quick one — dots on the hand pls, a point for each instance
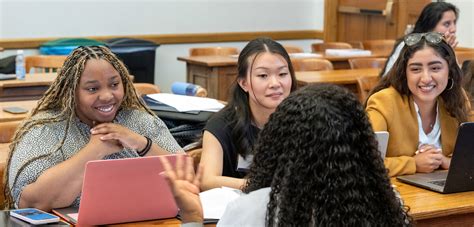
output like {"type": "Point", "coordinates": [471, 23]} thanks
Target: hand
{"type": "Point", "coordinates": [126, 137]}
{"type": "Point", "coordinates": [450, 38]}
{"type": "Point", "coordinates": [446, 162]}
{"type": "Point", "coordinates": [185, 187]}
{"type": "Point", "coordinates": [428, 160]}
{"type": "Point", "coordinates": [105, 147]}
{"type": "Point", "coordinates": [427, 147]}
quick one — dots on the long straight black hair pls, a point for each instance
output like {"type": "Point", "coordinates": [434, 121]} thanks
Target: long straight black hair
{"type": "Point", "coordinates": [238, 107]}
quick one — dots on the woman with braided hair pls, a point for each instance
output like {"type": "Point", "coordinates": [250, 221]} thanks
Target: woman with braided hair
{"type": "Point", "coordinates": [316, 163]}
{"type": "Point", "coordinates": [90, 112]}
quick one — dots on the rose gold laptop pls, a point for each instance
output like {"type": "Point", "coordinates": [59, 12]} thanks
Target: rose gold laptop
{"type": "Point", "coordinates": [123, 190]}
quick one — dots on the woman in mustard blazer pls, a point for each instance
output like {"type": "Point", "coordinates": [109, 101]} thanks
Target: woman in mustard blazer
{"type": "Point", "coordinates": [421, 104]}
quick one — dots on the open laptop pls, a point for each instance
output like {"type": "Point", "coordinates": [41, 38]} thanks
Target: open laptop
{"type": "Point", "coordinates": [123, 190]}
{"type": "Point", "coordinates": [382, 139]}
{"type": "Point", "coordinates": [460, 176]}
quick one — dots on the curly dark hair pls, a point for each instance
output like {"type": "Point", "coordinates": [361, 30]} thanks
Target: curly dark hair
{"type": "Point", "coordinates": [318, 153]}
{"type": "Point", "coordinates": [454, 98]}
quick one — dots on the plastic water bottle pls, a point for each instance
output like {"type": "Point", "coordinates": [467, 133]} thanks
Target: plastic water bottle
{"type": "Point", "coordinates": [20, 65]}
{"type": "Point", "coordinates": [181, 88]}
{"type": "Point", "coordinates": [409, 29]}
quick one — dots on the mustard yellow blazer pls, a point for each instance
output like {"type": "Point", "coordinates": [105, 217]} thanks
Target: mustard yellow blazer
{"type": "Point", "coordinates": [390, 111]}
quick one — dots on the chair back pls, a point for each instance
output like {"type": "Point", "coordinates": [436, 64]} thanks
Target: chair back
{"type": "Point", "coordinates": [463, 56]}
{"type": "Point", "coordinates": [7, 130]}
{"type": "Point", "coordinates": [364, 63]}
{"type": "Point", "coordinates": [321, 47]}
{"type": "Point", "coordinates": [146, 88]}
{"type": "Point", "coordinates": [293, 49]}
{"type": "Point", "coordinates": [381, 47]}
{"type": "Point", "coordinates": [311, 64]}
{"type": "Point", "coordinates": [209, 51]}
{"type": "Point", "coordinates": [365, 85]}
{"type": "Point", "coordinates": [356, 44]}
{"type": "Point", "coordinates": [44, 63]}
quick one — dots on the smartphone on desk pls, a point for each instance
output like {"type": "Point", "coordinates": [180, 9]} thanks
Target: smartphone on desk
{"type": "Point", "coordinates": [34, 216]}
{"type": "Point", "coordinates": [15, 110]}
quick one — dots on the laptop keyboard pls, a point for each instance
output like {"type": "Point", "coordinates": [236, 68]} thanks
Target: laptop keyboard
{"type": "Point", "coordinates": [438, 182]}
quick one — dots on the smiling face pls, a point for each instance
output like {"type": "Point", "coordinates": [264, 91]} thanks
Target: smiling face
{"type": "Point", "coordinates": [427, 75]}
{"type": "Point", "coordinates": [99, 94]}
{"type": "Point", "coordinates": [447, 23]}
{"type": "Point", "coordinates": [268, 82]}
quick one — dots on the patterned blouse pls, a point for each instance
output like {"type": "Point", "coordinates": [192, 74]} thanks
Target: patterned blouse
{"type": "Point", "coordinates": [41, 142]}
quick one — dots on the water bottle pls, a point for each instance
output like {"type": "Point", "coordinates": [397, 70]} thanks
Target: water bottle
{"type": "Point", "coordinates": [20, 65]}
{"type": "Point", "coordinates": [181, 88]}
{"type": "Point", "coordinates": [409, 29]}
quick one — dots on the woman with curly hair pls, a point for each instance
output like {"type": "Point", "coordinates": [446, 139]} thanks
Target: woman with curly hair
{"type": "Point", "coordinates": [90, 112]}
{"type": "Point", "coordinates": [421, 104]}
{"type": "Point", "coordinates": [316, 163]}
{"type": "Point", "coordinates": [265, 77]}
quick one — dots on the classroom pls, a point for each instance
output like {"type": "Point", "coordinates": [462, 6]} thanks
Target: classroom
{"type": "Point", "coordinates": [339, 42]}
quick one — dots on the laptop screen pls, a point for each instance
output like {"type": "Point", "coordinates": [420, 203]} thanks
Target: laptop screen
{"type": "Point", "coordinates": [382, 139]}
{"type": "Point", "coordinates": [125, 190]}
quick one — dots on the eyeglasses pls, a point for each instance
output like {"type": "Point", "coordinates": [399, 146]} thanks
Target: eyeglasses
{"type": "Point", "coordinates": [414, 38]}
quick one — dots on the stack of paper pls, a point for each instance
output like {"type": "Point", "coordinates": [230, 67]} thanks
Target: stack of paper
{"type": "Point", "coordinates": [305, 55]}
{"type": "Point", "coordinates": [214, 201]}
{"type": "Point", "coordinates": [184, 103]}
{"type": "Point", "coordinates": [348, 52]}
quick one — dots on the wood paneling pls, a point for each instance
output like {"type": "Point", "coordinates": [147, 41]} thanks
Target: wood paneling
{"type": "Point", "coordinates": [33, 43]}
{"type": "Point", "coordinates": [356, 20]}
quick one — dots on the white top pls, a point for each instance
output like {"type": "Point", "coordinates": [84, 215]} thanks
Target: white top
{"type": "Point", "coordinates": [247, 210]}
{"type": "Point", "coordinates": [434, 137]}
{"type": "Point", "coordinates": [393, 58]}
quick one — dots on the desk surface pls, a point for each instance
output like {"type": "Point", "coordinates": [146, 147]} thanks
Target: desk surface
{"type": "Point", "coordinates": [340, 76]}
{"type": "Point", "coordinates": [213, 61]}
{"type": "Point", "coordinates": [425, 204]}
{"type": "Point", "coordinates": [4, 116]}
{"type": "Point", "coordinates": [37, 79]}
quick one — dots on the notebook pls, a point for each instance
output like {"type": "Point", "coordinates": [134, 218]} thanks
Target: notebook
{"type": "Point", "coordinates": [460, 176]}
{"type": "Point", "coordinates": [382, 139]}
{"type": "Point", "coordinates": [123, 190]}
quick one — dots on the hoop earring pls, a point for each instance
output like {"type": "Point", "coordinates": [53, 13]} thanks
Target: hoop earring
{"type": "Point", "coordinates": [452, 84]}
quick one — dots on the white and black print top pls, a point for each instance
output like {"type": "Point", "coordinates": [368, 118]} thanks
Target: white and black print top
{"type": "Point", "coordinates": [41, 143]}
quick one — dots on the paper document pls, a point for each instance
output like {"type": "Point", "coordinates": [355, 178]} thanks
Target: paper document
{"type": "Point", "coordinates": [305, 55]}
{"type": "Point", "coordinates": [214, 201]}
{"type": "Point", "coordinates": [74, 216]}
{"type": "Point", "coordinates": [348, 52]}
{"type": "Point", "coordinates": [184, 103]}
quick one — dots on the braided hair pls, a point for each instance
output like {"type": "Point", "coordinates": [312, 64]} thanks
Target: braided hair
{"type": "Point", "coordinates": [61, 97]}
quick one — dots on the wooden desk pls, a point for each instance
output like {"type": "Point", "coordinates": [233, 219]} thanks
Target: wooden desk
{"type": "Point", "coordinates": [217, 73]}
{"type": "Point", "coordinates": [171, 222]}
{"type": "Point", "coordinates": [342, 62]}
{"type": "Point", "coordinates": [32, 87]}
{"type": "Point", "coordinates": [27, 104]}
{"type": "Point", "coordinates": [434, 209]}
{"type": "Point", "coordinates": [344, 77]}
{"type": "Point", "coordinates": [426, 207]}
{"type": "Point", "coordinates": [214, 73]}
